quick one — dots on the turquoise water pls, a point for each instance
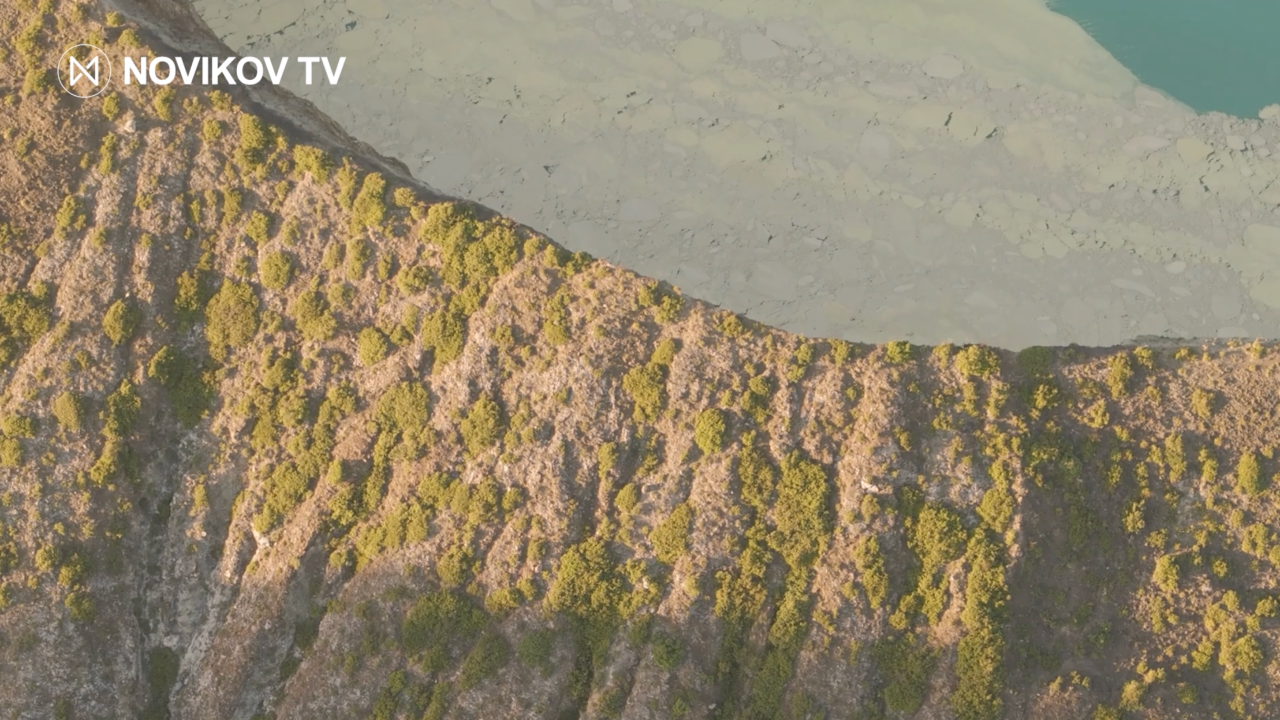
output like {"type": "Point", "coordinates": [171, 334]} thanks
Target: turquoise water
{"type": "Point", "coordinates": [1210, 54]}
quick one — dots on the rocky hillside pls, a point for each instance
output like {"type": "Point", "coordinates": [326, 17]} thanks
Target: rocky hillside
{"type": "Point", "coordinates": [285, 435]}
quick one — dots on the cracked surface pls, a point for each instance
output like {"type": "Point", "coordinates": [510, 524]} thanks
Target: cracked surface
{"type": "Point", "coordinates": [891, 170]}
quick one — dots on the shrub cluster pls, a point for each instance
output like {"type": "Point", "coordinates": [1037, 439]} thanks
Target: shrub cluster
{"type": "Point", "coordinates": [187, 383]}
{"type": "Point", "coordinates": [276, 270]}
{"type": "Point", "coordinates": [121, 321]}
{"type": "Point", "coordinates": [231, 319]}
{"type": "Point", "coordinates": [312, 315]}
{"type": "Point", "coordinates": [670, 539]}
{"type": "Point", "coordinates": [24, 317]}
{"type": "Point", "coordinates": [371, 346]}
{"type": "Point", "coordinates": [483, 425]}
{"type": "Point", "coordinates": [646, 384]}
{"type": "Point", "coordinates": [68, 409]}
{"type": "Point", "coordinates": [708, 431]}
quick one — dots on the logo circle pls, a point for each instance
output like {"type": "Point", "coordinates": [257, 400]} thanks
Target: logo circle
{"type": "Point", "coordinates": [84, 78]}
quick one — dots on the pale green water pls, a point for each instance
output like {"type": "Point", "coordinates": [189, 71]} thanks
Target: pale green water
{"type": "Point", "coordinates": [1210, 54]}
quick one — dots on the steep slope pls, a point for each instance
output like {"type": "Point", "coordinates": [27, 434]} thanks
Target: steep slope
{"type": "Point", "coordinates": [285, 435]}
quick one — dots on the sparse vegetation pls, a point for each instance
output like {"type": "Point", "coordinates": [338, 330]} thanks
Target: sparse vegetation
{"type": "Point", "coordinates": [436, 466]}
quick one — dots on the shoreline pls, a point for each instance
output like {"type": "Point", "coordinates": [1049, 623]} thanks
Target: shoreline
{"type": "Point", "coordinates": [893, 191]}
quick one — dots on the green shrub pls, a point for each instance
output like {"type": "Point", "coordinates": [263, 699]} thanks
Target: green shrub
{"type": "Point", "coordinates": [670, 539]}
{"type": "Point", "coordinates": [482, 426]}
{"type": "Point", "coordinates": [627, 499]}
{"type": "Point", "coordinates": [501, 602]}
{"type": "Point", "coordinates": [255, 139]}
{"type": "Point", "coordinates": [800, 361]}
{"type": "Point", "coordinates": [535, 648]}
{"type": "Point", "coordinates": [977, 360]}
{"type": "Point", "coordinates": [997, 505]}
{"type": "Point", "coordinates": [1202, 403]}
{"type": "Point", "coordinates": [163, 103]}
{"type": "Point", "coordinates": [312, 316]}
{"type": "Point", "coordinates": [664, 352]}
{"type": "Point", "coordinates": [111, 106]}
{"type": "Point", "coordinates": [129, 39]}
{"type": "Point", "coordinates": [346, 178]}
{"type": "Point", "coordinates": [358, 253]}
{"type": "Point", "coordinates": [210, 129]}
{"type": "Point", "coordinates": [121, 411]}
{"type": "Point", "coordinates": [276, 270]}
{"type": "Point", "coordinates": [219, 100]}
{"type": "Point", "coordinates": [8, 234]}
{"type": "Point", "coordinates": [403, 197]}
{"type": "Point", "coordinates": [646, 385]}
{"type": "Point", "coordinates": [841, 352]}
{"type": "Point", "coordinates": [489, 655]}
{"type": "Point", "coordinates": [729, 324]}
{"type": "Point", "coordinates": [371, 346]}
{"type": "Point", "coordinates": [1175, 457]}
{"type": "Point", "coordinates": [438, 620]}
{"type": "Point", "coordinates": [649, 294]}
{"type": "Point", "coordinates": [1243, 656]}
{"type": "Point", "coordinates": [258, 228]}
{"type": "Point", "coordinates": [1166, 573]}
{"type": "Point", "coordinates": [285, 488]}
{"type": "Point", "coordinates": [606, 458]}
{"type": "Point", "coordinates": [189, 386]}
{"type": "Point", "coordinates": [69, 411]}
{"type": "Point", "coordinates": [413, 279]}
{"type": "Point", "coordinates": [314, 161]}
{"type": "Point", "coordinates": [80, 606]}
{"type": "Point", "coordinates": [586, 583]}
{"type": "Point", "coordinates": [193, 292]}
{"type": "Point", "coordinates": [1249, 479]}
{"type": "Point", "coordinates": [1103, 712]}
{"type": "Point", "coordinates": [445, 332]}
{"type": "Point", "coordinates": [404, 409]}
{"type": "Point", "coordinates": [369, 208]}
{"type": "Point", "coordinates": [869, 561]}
{"type": "Point", "coordinates": [36, 81]}
{"type": "Point", "coordinates": [24, 317]}
{"type": "Point", "coordinates": [1035, 361]}
{"type": "Point", "coordinates": [898, 352]}
{"type": "Point", "coordinates": [801, 516]}
{"type": "Point", "coordinates": [121, 320]}
{"type": "Point", "coordinates": [231, 319]}
{"type": "Point", "coordinates": [1267, 607]}
{"type": "Point", "coordinates": [18, 426]}
{"type": "Point", "coordinates": [708, 431]}
{"type": "Point", "coordinates": [979, 666]}
{"type": "Point", "coordinates": [231, 201]}
{"type": "Point", "coordinates": [1119, 373]}
{"type": "Point", "coordinates": [10, 452]}
{"type": "Point", "coordinates": [668, 652]}
{"type": "Point", "coordinates": [70, 215]}
{"type": "Point", "coordinates": [669, 309]}
{"type": "Point", "coordinates": [107, 154]}
{"type": "Point", "coordinates": [904, 667]}
{"type": "Point", "coordinates": [937, 536]}
{"type": "Point", "coordinates": [755, 399]}
{"type": "Point", "coordinates": [556, 321]}
{"type": "Point", "coordinates": [340, 295]}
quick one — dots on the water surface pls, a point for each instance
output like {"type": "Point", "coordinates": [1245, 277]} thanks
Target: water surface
{"type": "Point", "coordinates": [1209, 54]}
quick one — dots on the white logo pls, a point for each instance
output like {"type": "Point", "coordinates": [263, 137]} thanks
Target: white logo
{"type": "Point", "coordinates": [78, 71]}
{"type": "Point", "coordinates": [84, 77]}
